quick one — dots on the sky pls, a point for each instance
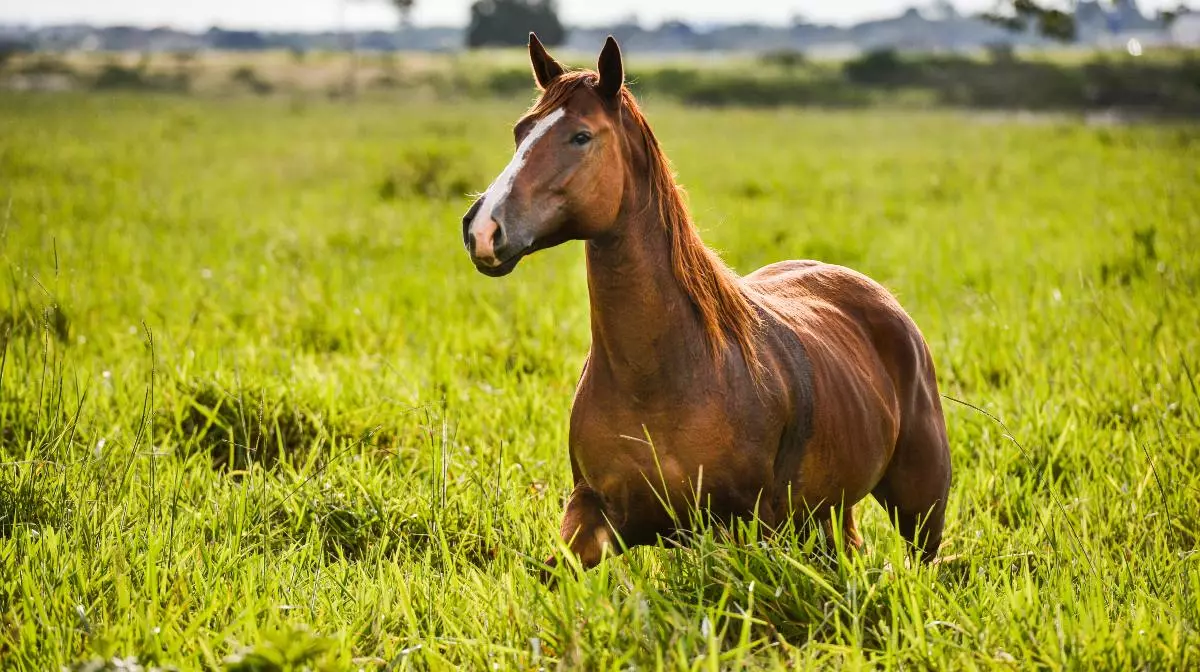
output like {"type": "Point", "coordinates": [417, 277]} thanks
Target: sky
{"type": "Point", "coordinates": [325, 14]}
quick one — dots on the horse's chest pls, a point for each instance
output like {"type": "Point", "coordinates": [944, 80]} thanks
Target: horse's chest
{"type": "Point", "coordinates": [623, 448]}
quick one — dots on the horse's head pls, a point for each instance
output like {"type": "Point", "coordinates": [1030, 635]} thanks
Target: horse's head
{"type": "Point", "coordinates": [566, 180]}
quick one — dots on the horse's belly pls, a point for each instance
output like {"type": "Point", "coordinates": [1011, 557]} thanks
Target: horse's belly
{"type": "Point", "coordinates": [855, 424]}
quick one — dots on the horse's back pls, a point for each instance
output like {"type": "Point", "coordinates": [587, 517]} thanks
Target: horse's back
{"type": "Point", "coordinates": [808, 279]}
{"type": "Point", "coordinates": [806, 294]}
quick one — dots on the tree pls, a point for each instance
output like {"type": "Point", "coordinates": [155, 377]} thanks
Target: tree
{"type": "Point", "coordinates": [405, 8]}
{"type": "Point", "coordinates": [506, 23]}
{"type": "Point", "coordinates": [1019, 15]}
{"type": "Point", "coordinates": [1167, 16]}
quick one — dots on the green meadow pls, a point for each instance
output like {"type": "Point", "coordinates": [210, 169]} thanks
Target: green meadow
{"type": "Point", "coordinates": [259, 412]}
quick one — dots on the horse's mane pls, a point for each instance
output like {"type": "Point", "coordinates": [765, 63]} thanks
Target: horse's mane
{"type": "Point", "coordinates": [720, 299]}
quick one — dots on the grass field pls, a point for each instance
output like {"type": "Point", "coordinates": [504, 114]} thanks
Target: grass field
{"type": "Point", "coordinates": [257, 409]}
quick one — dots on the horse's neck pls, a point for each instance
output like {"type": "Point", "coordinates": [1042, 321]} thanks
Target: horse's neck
{"type": "Point", "coordinates": [645, 331]}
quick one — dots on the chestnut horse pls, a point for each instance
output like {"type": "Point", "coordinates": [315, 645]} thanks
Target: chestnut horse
{"type": "Point", "coordinates": [790, 393]}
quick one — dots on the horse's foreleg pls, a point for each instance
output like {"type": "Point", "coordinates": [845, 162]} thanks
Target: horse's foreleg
{"type": "Point", "coordinates": [852, 541]}
{"type": "Point", "coordinates": [585, 529]}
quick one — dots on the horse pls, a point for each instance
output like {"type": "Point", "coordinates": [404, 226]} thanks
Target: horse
{"type": "Point", "coordinates": [789, 394]}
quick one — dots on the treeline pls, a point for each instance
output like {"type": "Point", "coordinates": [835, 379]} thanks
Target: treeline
{"type": "Point", "coordinates": [1168, 83]}
{"type": "Point", "coordinates": [1168, 86]}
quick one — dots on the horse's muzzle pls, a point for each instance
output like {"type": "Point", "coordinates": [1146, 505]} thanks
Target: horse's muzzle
{"type": "Point", "coordinates": [491, 250]}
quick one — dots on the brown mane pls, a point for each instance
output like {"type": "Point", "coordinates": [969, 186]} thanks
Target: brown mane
{"type": "Point", "coordinates": [720, 299]}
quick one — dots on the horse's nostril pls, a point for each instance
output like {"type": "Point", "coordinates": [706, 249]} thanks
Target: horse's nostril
{"type": "Point", "coordinates": [498, 237]}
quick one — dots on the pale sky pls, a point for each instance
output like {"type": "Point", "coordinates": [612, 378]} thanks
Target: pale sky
{"type": "Point", "coordinates": [324, 14]}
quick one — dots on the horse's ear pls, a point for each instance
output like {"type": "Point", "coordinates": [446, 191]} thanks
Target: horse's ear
{"type": "Point", "coordinates": [611, 69]}
{"type": "Point", "coordinates": [545, 68]}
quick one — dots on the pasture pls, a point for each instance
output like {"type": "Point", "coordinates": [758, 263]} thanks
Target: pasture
{"type": "Point", "coordinates": [258, 411]}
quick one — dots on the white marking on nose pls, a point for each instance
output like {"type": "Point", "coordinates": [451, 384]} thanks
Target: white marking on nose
{"type": "Point", "coordinates": [503, 184]}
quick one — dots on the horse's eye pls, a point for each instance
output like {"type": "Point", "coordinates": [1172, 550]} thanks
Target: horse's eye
{"type": "Point", "coordinates": [581, 138]}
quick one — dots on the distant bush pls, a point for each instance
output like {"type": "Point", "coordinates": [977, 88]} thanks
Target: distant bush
{"type": "Point", "coordinates": [788, 59]}
{"type": "Point", "coordinates": [434, 172]}
{"type": "Point", "coordinates": [247, 77]}
{"type": "Point", "coordinates": [117, 76]}
{"type": "Point", "coordinates": [667, 81]}
{"type": "Point", "coordinates": [386, 80]}
{"type": "Point", "coordinates": [879, 67]}
{"type": "Point", "coordinates": [747, 88]}
{"type": "Point", "coordinates": [1143, 85]}
{"type": "Point", "coordinates": [47, 64]}
{"type": "Point", "coordinates": [510, 82]}
{"type": "Point", "coordinates": [773, 92]}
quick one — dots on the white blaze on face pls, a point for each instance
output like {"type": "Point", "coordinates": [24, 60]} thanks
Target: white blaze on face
{"type": "Point", "coordinates": [500, 188]}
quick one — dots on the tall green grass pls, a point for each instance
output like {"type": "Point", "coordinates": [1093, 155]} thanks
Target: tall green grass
{"type": "Point", "coordinates": [257, 411]}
